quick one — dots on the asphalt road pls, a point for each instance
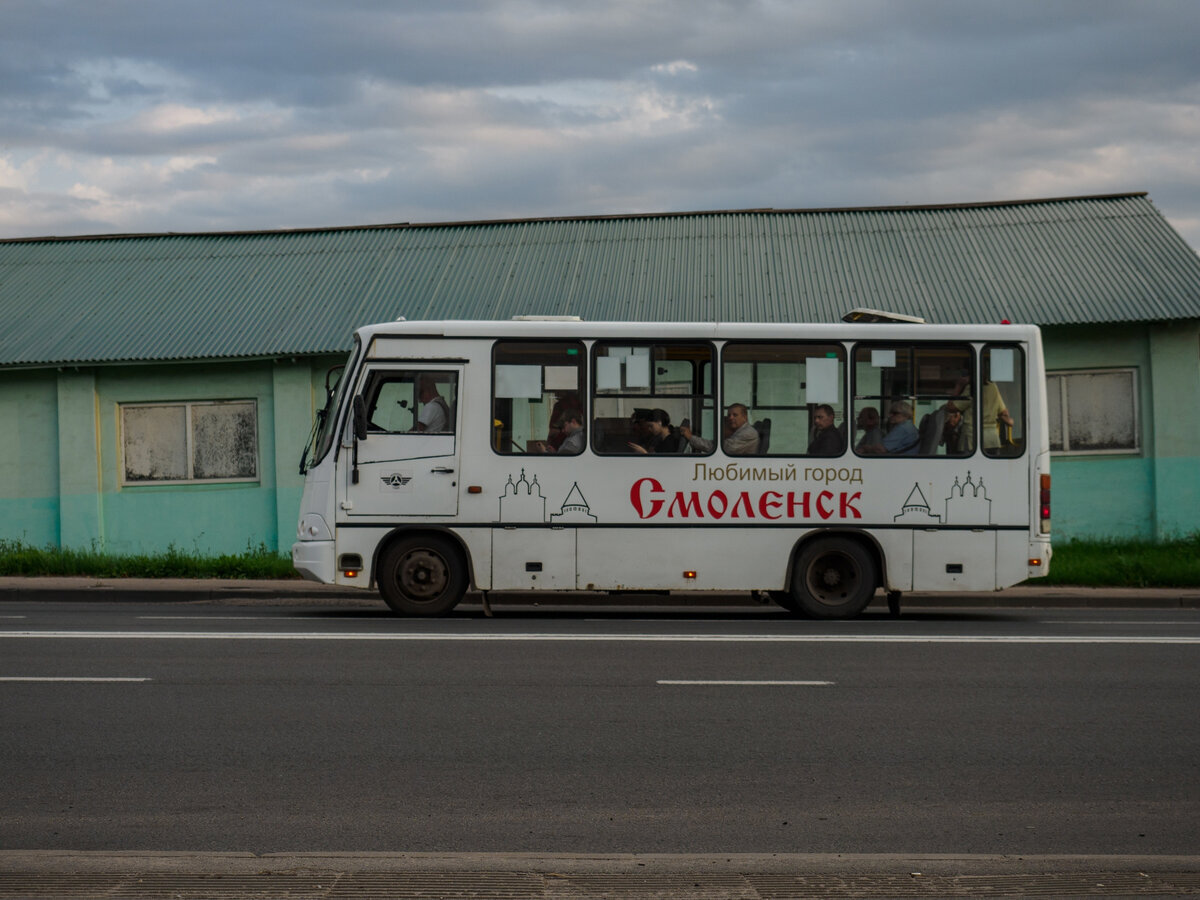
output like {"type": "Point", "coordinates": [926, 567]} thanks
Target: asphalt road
{"type": "Point", "coordinates": [272, 729]}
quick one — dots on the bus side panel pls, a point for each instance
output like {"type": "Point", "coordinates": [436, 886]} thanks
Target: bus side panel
{"type": "Point", "coordinates": [533, 559]}
{"type": "Point", "coordinates": [946, 560]}
{"type": "Point", "coordinates": [1013, 552]}
{"type": "Point", "coordinates": [896, 546]}
{"type": "Point", "coordinates": [724, 559]}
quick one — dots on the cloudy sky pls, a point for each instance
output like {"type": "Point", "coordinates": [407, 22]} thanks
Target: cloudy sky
{"type": "Point", "coordinates": [173, 115]}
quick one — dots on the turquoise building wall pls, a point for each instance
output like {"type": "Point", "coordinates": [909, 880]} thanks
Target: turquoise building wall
{"type": "Point", "coordinates": [60, 458]}
{"type": "Point", "coordinates": [1155, 492]}
{"type": "Point", "coordinates": [29, 493]}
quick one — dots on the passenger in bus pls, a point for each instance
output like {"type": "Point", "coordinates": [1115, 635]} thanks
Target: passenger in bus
{"type": "Point", "coordinates": [997, 422]}
{"type": "Point", "coordinates": [639, 429]}
{"type": "Point", "coordinates": [661, 436]}
{"type": "Point", "coordinates": [575, 439]}
{"type": "Point", "coordinates": [902, 437]}
{"type": "Point", "coordinates": [435, 412]}
{"type": "Point", "coordinates": [868, 424]}
{"type": "Point", "coordinates": [563, 401]}
{"type": "Point", "coordinates": [828, 440]}
{"type": "Point", "coordinates": [741, 438]}
{"type": "Point", "coordinates": [954, 434]}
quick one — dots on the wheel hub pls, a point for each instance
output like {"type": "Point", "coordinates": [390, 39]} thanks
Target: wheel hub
{"type": "Point", "coordinates": [830, 578]}
{"type": "Point", "coordinates": [423, 574]}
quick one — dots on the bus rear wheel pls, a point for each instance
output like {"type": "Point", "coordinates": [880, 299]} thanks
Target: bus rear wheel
{"type": "Point", "coordinates": [833, 578]}
{"type": "Point", "coordinates": [422, 576]}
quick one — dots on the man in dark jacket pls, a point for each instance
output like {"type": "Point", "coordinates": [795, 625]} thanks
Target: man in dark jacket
{"type": "Point", "coordinates": [828, 440]}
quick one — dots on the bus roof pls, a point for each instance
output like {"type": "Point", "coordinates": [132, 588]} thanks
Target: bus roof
{"type": "Point", "coordinates": [585, 330]}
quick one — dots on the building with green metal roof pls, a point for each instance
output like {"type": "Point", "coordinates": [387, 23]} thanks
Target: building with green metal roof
{"type": "Point", "coordinates": [234, 331]}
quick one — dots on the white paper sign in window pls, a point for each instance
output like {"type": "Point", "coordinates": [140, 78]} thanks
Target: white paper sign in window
{"type": "Point", "coordinates": [608, 373]}
{"type": "Point", "coordinates": [518, 381]}
{"type": "Point", "coordinates": [637, 371]}
{"type": "Point", "coordinates": [883, 359]}
{"type": "Point", "coordinates": [822, 378]}
{"type": "Point", "coordinates": [1002, 363]}
{"type": "Point", "coordinates": [562, 378]}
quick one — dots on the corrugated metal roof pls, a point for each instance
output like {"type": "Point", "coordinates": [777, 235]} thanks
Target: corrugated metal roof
{"type": "Point", "coordinates": [117, 298]}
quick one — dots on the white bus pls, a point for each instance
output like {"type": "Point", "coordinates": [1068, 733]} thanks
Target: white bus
{"type": "Point", "coordinates": [811, 464]}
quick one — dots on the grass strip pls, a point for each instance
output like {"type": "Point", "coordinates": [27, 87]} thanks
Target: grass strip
{"type": "Point", "coordinates": [1125, 562]}
{"type": "Point", "coordinates": [17, 558]}
{"type": "Point", "coordinates": [1089, 563]}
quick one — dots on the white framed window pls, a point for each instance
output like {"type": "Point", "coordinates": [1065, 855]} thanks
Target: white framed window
{"type": "Point", "coordinates": [1093, 411]}
{"type": "Point", "coordinates": [186, 442]}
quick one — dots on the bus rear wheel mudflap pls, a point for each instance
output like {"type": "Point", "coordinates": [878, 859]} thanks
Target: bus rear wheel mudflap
{"type": "Point", "coordinates": [422, 575]}
{"type": "Point", "coordinates": [834, 578]}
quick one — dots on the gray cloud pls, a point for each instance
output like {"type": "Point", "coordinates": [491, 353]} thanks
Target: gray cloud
{"type": "Point", "coordinates": [144, 116]}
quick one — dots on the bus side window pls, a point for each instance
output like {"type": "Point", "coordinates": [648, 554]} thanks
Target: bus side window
{"type": "Point", "coordinates": [649, 397]}
{"type": "Point", "coordinates": [537, 397]}
{"type": "Point", "coordinates": [414, 401]}
{"type": "Point", "coordinates": [795, 391]}
{"type": "Point", "coordinates": [1002, 401]}
{"type": "Point", "coordinates": [914, 400]}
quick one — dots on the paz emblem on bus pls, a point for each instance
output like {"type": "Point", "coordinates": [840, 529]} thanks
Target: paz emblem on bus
{"type": "Point", "coordinates": [395, 481]}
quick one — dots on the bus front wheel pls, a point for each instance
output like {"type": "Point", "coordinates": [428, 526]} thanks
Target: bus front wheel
{"type": "Point", "coordinates": [422, 576]}
{"type": "Point", "coordinates": [833, 578]}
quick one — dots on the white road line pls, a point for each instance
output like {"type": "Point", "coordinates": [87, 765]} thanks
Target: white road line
{"type": "Point", "coordinates": [598, 638]}
{"type": "Point", "coordinates": [748, 683]}
{"type": "Point", "coordinates": [220, 618]}
{"type": "Point", "coordinates": [1160, 623]}
{"type": "Point", "coordinates": [40, 679]}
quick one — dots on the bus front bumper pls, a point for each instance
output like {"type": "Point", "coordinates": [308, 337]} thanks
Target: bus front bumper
{"type": "Point", "coordinates": [314, 560]}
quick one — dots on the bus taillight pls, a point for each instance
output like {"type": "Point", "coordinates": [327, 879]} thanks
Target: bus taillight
{"type": "Point", "coordinates": [1044, 505]}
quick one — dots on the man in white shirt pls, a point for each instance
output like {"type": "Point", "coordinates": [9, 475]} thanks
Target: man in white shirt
{"type": "Point", "coordinates": [435, 413]}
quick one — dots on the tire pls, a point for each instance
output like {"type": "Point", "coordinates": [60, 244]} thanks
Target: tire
{"type": "Point", "coordinates": [787, 601]}
{"type": "Point", "coordinates": [422, 576]}
{"type": "Point", "coordinates": [834, 578]}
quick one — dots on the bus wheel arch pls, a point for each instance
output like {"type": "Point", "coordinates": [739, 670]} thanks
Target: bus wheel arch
{"type": "Point", "coordinates": [833, 574]}
{"type": "Point", "coordinates": [422, 571]}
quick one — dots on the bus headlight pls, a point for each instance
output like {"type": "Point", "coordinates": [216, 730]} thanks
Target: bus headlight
{"type": "Point", "coordinates": [313, 528]}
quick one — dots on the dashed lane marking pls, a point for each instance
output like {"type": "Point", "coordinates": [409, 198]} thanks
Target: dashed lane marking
{"type": "Point", "coordinates": [40, 679]}
{"type": "Point", "coordinates": [598, 637]}
{"type": "Point", "coordinates": [668, 681]}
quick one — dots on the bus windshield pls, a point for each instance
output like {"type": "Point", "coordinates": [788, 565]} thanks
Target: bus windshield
{"type": "Point", "coordinates": [324, 428]}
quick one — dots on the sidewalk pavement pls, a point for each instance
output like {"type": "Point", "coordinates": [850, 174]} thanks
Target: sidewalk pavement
{"type": "Point", "coordinates": [306, 593]}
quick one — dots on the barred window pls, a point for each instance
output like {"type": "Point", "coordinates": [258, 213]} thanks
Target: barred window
{"type": "Point", "coordinates": [189, 441]}
{"type": "Point", "coordinates": [1093, 411]}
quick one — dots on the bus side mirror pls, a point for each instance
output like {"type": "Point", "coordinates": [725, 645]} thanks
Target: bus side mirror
{"type": "Point", "coordinates": [360, 418]}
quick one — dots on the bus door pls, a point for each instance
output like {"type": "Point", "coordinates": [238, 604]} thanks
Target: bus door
{"type": "Point", "coordinates": [401, 455]}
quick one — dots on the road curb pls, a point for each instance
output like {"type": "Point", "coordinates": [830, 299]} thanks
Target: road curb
{"type": "Point", "coordinates": [245, 862]}
{"type": "Point", "coordinates": [218, 591]}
